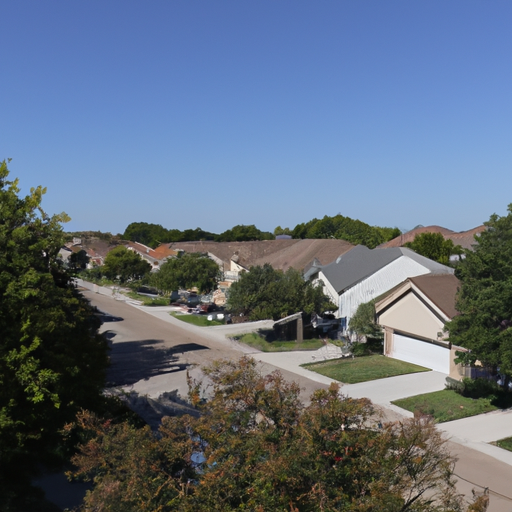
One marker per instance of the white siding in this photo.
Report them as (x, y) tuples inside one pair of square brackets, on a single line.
[(376, 284), (328, 289)]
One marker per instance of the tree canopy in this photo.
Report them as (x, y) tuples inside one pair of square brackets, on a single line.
[(242, 233), (153, 235), (125, 265), (485, 298), (255, 446), (434, 246), (264, 293), (186, 271), (145, 233), (52, 359), (345, 228)]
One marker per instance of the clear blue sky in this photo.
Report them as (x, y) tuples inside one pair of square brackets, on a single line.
[(215, 113)]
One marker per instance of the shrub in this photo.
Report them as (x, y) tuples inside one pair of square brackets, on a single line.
[(360, 349)]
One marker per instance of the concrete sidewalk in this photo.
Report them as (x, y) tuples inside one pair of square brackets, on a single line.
[(478, 432), (475, 432)]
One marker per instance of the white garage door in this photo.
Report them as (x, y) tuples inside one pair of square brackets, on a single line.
[(422, 353)]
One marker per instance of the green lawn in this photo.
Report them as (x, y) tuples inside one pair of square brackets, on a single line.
[(149, 301), (505, 443), (259, 342), (363, 369), (446, 405), (199, 320)]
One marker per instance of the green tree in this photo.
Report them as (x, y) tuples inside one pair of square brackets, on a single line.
[(125, 265), (186, 271), (52, 359), (345, 228), (264, 293), (282, 231), (78, 260), (363, 322), (255, 446), (145, 233), (485, 298), (242, 233), (435, 247)]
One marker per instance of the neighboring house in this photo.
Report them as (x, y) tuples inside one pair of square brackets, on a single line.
[(155, 257), (236, 257), (65, 253), (363, 274), (413, 316), (466, 239)]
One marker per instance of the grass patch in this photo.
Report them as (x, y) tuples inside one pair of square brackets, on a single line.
[(199, 320), (506, 443), (363, 369), (259, 342), (446, 405), (149, 301)]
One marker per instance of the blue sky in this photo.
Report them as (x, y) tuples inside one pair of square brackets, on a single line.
[(214, 113)]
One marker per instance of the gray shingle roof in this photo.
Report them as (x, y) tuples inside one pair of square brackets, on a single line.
[(361, 262)]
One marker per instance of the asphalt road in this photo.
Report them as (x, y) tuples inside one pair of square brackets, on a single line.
[(150, 355)]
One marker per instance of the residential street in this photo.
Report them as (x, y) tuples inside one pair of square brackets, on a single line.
[(151, 352)]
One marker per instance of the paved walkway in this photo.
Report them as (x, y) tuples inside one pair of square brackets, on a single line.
[(475, 432)]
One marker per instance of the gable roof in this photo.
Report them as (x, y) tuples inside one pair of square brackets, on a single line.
[(466, 239), (361, 262), (441, 290), (281, 254)]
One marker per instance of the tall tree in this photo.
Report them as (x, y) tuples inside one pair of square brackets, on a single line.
[(265, 292), (52, 359), (188, 270), (435, 247), (255, 446), (485, 298), (125, 265)]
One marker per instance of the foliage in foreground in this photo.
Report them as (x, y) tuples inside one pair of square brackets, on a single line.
[(52, 359), (266, 293), (256, 447)]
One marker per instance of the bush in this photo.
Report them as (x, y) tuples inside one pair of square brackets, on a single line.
[(375, 345), (360, 349), (479, 388), (454, 385), (482, 388)]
